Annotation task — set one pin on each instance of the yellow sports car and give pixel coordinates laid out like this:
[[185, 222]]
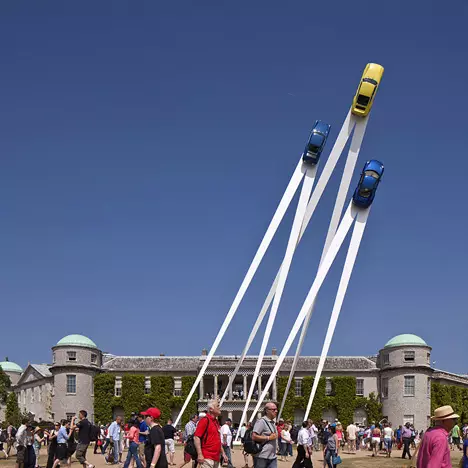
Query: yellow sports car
[[364, 98]]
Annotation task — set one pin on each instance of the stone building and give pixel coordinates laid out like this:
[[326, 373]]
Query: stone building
[[400, 374]]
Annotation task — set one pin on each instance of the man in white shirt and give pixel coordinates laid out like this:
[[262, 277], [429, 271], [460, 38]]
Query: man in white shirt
[[114, 435], [313, 435], [304, 451], [351, 432], [226, 440], [21, 442]]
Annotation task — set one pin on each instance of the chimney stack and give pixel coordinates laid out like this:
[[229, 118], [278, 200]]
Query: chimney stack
[[162, 354], [204, 352], [274, 352]]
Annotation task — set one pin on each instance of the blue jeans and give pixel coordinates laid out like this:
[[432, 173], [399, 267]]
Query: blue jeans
[[105, 445], [116, 451], [283, 449], [133, 452], [227, 451], [289, 450], [329, 454]]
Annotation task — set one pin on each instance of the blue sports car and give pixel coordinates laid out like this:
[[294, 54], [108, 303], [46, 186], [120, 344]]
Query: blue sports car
[[368, 183], [317, 139]]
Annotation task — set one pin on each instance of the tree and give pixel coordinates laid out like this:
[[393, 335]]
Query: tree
[[5, 384], [13, 413]]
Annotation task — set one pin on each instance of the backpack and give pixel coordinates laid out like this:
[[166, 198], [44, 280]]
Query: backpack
[[3, 437], [249, 445], [190, 448], [94, 432], [13, 432]]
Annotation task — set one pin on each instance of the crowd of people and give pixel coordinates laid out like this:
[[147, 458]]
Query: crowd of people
[[208, 443]]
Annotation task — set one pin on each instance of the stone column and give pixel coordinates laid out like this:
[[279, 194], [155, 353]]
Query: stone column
[[274, 390], [230, 415], [230, 392], [202, 389], [215, 386], [259, 385], [245, 387]]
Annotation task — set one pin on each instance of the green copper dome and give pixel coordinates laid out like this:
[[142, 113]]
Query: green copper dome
[[77, 340], [8, 366], [405, 340]]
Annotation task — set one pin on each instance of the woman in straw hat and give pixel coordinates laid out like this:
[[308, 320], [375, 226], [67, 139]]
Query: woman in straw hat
[[434, 450]]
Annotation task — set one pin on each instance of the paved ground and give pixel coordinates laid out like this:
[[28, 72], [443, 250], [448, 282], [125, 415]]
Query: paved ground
[[361, 459]]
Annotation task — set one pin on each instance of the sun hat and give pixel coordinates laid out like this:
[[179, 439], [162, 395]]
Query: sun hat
[[153, 412], [444, 412]]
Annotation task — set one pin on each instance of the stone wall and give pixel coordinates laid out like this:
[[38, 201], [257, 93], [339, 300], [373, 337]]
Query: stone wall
[[64, 403], [36, 397], [397, 405]]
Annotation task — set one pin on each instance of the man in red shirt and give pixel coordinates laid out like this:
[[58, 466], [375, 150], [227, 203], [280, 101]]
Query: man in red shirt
[[434, 451], [207, 439]]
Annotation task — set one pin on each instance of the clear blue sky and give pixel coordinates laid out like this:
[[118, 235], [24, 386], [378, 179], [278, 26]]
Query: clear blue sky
[[145, 146]]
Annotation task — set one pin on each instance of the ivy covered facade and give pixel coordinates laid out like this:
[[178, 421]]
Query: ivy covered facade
[[398, 382]]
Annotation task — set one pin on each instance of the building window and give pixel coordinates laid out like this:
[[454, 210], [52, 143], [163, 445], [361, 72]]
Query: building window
[[429, 358], [71, 355], [52, 416], [328, 386], [298, 416], [71, 383], [70, 416], [429, 387], [147, 385], [360, 387], [177, 386], [93, 358], [385, 387], [386, 359], [409, 356], [53, 358], [118, 386], [409, 385], [298, 387], [408, 418]]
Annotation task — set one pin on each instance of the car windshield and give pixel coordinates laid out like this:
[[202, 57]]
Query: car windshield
[[363, 100], [370, 80], [365, 192], [372, 174], [313, 148]]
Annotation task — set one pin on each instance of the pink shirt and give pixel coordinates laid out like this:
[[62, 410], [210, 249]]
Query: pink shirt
[[434, 451], [133, 435]]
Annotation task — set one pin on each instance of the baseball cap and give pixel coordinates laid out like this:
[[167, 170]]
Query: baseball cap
[[153, 412]]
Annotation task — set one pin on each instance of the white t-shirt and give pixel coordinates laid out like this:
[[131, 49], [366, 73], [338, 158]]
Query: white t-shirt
[[242, 431], [388, 432], [226, 431], [313, 431], [351, 431], [286, 436]]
